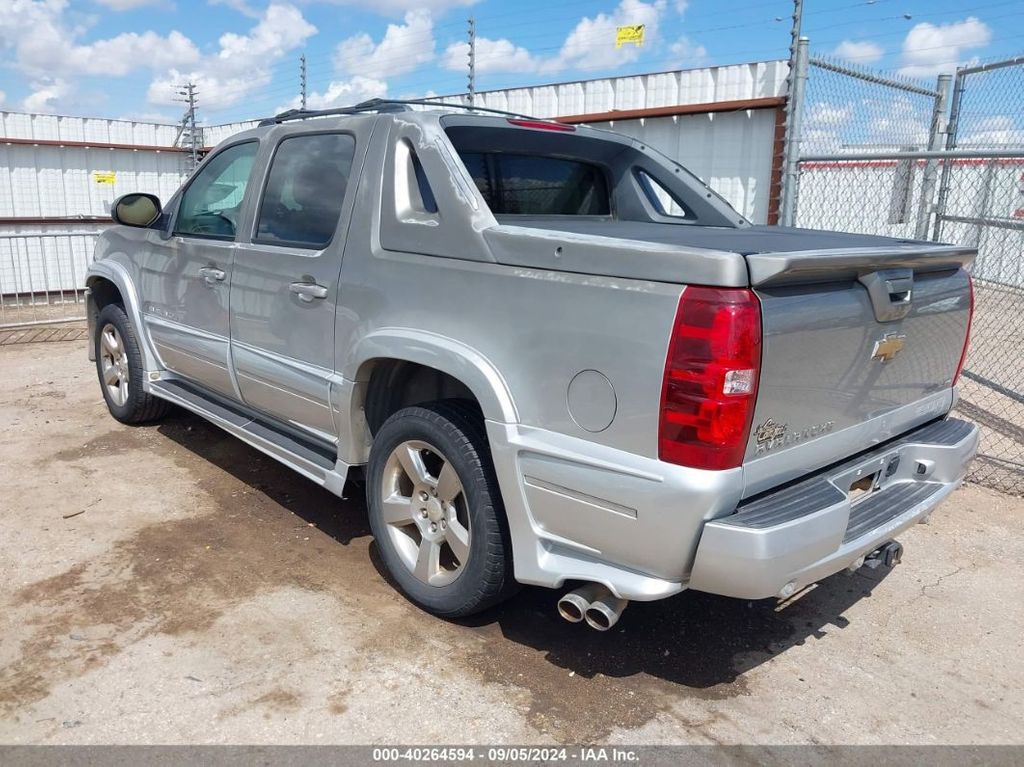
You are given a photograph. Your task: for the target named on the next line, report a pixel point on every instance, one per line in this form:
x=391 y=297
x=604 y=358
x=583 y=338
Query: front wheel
x=119 y=367
x=436 y=511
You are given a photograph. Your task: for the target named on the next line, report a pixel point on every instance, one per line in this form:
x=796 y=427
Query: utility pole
x=794 y=103
x=302 y=79
x=189 y=132
x=472 y=60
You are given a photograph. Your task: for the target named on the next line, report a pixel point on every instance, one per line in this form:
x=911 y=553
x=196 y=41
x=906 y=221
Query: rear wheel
x=119 y=367
x=436 y=512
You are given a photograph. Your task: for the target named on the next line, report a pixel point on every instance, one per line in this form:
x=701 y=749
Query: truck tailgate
x=859 y=347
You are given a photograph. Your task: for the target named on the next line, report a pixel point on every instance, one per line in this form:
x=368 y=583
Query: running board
x=309 y=459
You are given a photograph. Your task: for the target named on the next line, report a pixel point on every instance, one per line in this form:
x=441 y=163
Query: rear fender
x=422 y=347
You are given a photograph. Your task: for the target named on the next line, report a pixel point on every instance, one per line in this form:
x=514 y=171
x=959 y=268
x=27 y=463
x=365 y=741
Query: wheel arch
x=459 y=368
x=109 y=282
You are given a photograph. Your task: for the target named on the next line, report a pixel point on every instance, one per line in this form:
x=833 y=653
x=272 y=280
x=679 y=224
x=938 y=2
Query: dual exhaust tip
x=594 y=604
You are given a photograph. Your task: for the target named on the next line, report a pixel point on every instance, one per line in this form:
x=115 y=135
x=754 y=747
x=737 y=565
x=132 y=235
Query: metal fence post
x=931 y=166
x=951 y=130
x=794 y=116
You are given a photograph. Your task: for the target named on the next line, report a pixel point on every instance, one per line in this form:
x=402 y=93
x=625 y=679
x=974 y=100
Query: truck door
x=284 y=287
x=184 y=278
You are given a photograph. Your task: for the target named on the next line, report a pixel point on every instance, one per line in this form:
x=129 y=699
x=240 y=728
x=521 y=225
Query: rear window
x=538 y=185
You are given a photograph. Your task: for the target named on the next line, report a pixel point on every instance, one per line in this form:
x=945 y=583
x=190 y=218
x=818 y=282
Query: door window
x=305 y=190
x=211 y=205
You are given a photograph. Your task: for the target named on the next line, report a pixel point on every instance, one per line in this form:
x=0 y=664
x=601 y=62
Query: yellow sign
x=104 y=177
x=633 y=34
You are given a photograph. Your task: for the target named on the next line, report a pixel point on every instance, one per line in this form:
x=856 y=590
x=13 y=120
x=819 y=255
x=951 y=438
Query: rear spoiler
x=771 y=269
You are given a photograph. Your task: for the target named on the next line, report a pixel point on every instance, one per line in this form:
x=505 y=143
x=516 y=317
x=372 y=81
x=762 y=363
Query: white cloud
x=241 y=6
x=824 y=122
x=930 y=49
x=399 y=8
x=341 y=93
x=44 y=95
x=686 y=53
x=126 y=5
x=45 y=48
x=123 y=54
x=897 y=122
x=403 y=48
x=491 y=56
x=591 y=44
x=825 y=113
x=243 y=63
x=994 y=130
x=859 y=51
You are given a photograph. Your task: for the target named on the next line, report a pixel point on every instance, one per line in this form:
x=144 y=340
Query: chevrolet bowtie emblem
x=888 y=347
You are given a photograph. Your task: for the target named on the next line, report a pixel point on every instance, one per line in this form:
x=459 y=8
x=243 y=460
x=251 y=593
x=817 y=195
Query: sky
x=127 y=58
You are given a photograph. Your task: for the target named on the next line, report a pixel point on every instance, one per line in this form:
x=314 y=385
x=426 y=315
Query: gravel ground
x=168 y=584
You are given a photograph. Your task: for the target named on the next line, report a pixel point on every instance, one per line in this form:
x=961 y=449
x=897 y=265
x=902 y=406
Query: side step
x=313 y=461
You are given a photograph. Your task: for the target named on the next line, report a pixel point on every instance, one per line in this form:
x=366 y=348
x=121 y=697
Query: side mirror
x=136 y=209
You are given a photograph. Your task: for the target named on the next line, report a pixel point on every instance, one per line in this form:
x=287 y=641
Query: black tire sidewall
x=114 y=314
x=464 y=595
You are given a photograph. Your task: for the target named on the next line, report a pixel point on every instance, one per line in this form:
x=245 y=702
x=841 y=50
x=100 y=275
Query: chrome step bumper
x=789 y=538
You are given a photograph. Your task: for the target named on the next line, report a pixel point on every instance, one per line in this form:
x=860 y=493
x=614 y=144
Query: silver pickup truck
x=554 y=356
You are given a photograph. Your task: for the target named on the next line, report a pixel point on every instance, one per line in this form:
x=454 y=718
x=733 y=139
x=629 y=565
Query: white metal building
x=723 y=123
x=59 y=174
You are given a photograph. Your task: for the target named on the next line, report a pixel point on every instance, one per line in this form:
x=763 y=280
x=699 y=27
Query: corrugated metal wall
x=731 y=151
x=55 y=181
x=691 y=86
x=55 y=169
x=62 y=128
x=214 y=134
x=44 y=180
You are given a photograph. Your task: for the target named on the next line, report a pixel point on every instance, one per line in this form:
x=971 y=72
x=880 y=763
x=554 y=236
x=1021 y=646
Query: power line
x=601 y=40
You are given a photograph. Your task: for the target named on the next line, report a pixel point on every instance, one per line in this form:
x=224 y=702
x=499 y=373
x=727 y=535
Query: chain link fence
x=901 y=173
x=981 y=203
x=854 y=109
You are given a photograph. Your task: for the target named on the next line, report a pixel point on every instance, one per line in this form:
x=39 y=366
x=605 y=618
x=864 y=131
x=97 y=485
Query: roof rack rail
x=381 y=106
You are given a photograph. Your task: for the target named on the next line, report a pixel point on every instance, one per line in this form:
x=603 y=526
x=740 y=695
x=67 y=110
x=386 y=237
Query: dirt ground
x=168 y=584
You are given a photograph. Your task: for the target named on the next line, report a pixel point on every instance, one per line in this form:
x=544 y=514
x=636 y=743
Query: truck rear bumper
x=785 y=539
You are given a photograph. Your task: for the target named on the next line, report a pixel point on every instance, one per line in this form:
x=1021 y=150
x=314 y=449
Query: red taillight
x=710 y=386
x=541 y=125
x=967 y=337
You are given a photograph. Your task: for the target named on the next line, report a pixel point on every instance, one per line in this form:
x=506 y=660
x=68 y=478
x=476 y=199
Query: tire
x=119 y=369
x=463 y=576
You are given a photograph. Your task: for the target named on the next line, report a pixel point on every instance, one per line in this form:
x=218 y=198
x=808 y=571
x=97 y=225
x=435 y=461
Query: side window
x=211 y=204
x=305 y=190
x=664 y=202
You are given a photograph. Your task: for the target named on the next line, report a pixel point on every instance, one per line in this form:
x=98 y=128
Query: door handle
x=212 y=275
x=307 y=291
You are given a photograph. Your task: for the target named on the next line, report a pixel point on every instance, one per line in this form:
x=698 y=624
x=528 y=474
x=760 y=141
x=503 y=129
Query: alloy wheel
x=114 y=364
x=424 y=507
